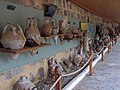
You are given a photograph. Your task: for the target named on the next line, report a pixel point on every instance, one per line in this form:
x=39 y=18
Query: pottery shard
x=77 y=60
x=67 y=63
x=75 y=33
x=66 y=69
x=80 y=34
x=41 y=73
x=69 y=36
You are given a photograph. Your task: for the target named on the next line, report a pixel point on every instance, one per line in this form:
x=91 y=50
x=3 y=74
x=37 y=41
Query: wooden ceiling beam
x=77 y=2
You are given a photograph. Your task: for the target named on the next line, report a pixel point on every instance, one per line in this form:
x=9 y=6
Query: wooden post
x=57 y=74
x=112 y=42
x=115 y=39
x=110 y=45
x=109 y=49
x=91 y=71
x=103 y=53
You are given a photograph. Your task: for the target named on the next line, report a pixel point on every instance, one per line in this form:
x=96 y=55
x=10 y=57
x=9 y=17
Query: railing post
x=91 y=71
x=110 y=45
x=57 y=74
x=103 y=52
x=115 y=39
x=113 y=42
x=108 y=48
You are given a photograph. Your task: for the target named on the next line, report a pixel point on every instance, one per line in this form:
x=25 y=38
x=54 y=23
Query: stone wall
x=37 y=69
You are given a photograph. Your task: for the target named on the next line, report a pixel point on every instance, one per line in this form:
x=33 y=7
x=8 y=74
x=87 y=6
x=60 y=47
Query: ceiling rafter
x=78 y=2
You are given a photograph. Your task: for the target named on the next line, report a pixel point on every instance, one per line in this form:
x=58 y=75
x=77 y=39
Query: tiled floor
x=106 y=74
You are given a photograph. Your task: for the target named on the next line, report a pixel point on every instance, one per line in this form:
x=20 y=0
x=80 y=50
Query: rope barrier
x=65 y=75
x=55 y=83
x=79 y=69
x=70 y=73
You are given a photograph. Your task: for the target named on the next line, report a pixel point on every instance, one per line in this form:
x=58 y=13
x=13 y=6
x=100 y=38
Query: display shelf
x=25 y=49
x=54 y=35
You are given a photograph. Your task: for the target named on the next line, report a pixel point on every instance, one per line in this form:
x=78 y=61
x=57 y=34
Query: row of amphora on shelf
x=14 y=38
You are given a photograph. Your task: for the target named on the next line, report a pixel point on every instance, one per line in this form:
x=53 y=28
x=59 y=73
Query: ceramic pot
x=69 y=36
x=46 y=28
x=80 y=34
x=77 y=60
x=25 y=84
x=51 y=68
x=75 y=33
x=13 y=37
x=55 y=30
x=61 y=31
x=32 y=31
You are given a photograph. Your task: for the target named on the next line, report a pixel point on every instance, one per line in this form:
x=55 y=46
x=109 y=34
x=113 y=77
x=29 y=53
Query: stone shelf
x=25 y=49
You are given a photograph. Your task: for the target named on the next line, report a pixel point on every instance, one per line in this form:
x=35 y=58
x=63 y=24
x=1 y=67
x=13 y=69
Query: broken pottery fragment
x=66 y=69
x=25 y=84
x=77 y=60
x=51 y=68
x=67 y=63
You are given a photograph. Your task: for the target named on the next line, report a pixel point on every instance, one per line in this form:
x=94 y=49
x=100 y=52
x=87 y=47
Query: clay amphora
x=46 y=28
x=61 y=31
x=55 y=30
x=75 y=31
x=13 y=37
x=69 y=35
x=32 y=31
